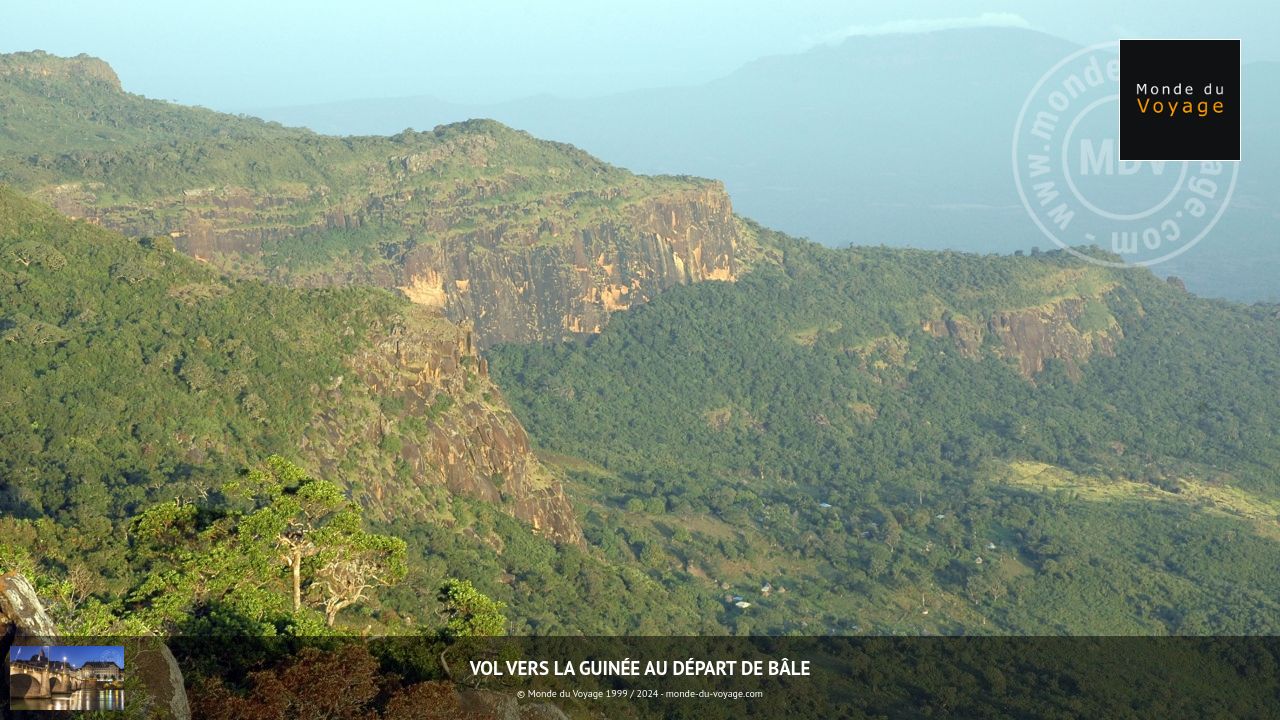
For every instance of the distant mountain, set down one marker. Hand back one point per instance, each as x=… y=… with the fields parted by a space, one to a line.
x=896 y=139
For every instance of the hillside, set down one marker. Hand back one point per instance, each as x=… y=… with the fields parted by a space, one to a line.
x=132 y=376
x=526 y=239
x=927 y=442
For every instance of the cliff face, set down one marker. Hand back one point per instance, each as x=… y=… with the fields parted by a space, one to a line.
x=528 y=270
x=1069 y=330
x=419 y=404
x=518 y=286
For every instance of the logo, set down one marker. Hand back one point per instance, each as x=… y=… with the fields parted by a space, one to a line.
x=1071 y=180
x=1180 y=99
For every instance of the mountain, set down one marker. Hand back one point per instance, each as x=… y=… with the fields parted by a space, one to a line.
x=524 y=239
x=895 y=139
x=924 y=442
x=845 y=438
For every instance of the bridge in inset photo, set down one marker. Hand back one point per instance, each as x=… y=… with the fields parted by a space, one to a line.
x=40 y=677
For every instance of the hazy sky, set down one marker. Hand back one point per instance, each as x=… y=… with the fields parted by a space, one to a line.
x=242 y=54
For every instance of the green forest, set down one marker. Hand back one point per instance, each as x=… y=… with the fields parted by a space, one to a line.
x=795 y=441
x=219 y=420
x=799 y=430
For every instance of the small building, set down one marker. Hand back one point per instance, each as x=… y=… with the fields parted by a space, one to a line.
x=742 y=604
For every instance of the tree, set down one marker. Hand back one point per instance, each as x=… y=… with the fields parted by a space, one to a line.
x=30 y=252
x=303 y=505
x=226 y=560
x=354 y=562
x=313 y=522
x=467 y=613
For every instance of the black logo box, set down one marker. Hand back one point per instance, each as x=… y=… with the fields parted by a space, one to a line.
x=1185 y=67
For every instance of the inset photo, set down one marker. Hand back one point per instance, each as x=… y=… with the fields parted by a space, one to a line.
x=66 y=677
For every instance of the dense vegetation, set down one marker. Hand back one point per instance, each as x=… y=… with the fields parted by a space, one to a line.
x=796 y=431
x=128 y=366
x=799 y=429
x=133 y=378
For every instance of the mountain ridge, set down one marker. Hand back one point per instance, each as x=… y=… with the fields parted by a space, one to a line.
x=526 y=239
x=927 y=442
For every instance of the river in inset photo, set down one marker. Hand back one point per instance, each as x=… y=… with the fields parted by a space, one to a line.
x=77 y=700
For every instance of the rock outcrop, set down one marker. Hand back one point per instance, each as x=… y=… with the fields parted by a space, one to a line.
x=1069 y=330
x=433 y=418
x=151 y=661
x=22 y=616
x=515 y=287
x=42 y=66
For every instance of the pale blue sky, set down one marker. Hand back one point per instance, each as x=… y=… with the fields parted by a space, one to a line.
x=240 y=54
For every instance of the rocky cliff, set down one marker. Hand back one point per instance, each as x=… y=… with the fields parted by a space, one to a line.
x=419 y=404
x=518 y=268
x=528 y=240
x=564 y=277
x=43 y=67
